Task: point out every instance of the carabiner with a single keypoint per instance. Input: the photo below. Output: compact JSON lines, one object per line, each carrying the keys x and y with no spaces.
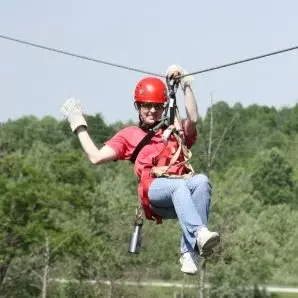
{"x":139,"y":214}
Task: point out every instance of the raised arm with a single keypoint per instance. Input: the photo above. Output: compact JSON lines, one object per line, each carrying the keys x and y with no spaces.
{"x":189,"y":98}
{"x":95,"y":155}
{"x":72,"y":110}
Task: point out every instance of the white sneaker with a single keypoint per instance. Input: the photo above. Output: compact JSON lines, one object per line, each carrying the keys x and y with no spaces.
{"x":189,"y":263}
{"x":206,"y":240}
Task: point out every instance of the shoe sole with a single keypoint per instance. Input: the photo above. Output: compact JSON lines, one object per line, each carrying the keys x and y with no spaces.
{"x":189,"y":273}
{"x":207,"y":249}
{"x":206,"y":253}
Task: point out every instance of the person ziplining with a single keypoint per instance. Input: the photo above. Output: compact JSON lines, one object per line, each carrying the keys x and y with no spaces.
{"x":168,"y":186}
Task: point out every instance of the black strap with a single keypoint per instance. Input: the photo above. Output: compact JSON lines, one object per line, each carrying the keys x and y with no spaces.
{"x":147,"y":139}
{"x":142,"y":143}
{"x":172,"y":87}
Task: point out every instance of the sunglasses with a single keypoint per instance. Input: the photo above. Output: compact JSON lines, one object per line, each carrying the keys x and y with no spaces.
{"x":150,"y":105}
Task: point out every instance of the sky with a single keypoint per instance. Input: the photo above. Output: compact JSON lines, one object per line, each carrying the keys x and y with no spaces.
{"x":148,"y":35}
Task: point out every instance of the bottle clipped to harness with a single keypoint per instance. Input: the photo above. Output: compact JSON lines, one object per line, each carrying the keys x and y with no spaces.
{"x":136,"y":237}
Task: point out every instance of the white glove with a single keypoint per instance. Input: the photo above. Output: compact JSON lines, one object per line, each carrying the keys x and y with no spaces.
{"x":176,"y":70}
{"x":73,"y":111}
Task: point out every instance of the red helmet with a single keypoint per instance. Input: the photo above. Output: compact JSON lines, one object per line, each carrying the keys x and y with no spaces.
{"x":151,"y":89}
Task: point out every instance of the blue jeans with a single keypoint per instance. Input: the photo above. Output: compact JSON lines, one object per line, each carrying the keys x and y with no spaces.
{"x":185,"y":199}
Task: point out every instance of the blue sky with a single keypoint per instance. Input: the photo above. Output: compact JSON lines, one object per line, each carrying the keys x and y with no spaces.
{"x":149,"y":35}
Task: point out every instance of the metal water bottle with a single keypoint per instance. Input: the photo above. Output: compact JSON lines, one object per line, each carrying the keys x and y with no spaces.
{"x":136,"y":238}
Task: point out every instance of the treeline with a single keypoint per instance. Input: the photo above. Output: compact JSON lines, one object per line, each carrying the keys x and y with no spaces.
{"x":62,"y":218}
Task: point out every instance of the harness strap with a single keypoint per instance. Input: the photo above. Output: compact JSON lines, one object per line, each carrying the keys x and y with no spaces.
{"x":145,"y":140}
{"x":140,"y":146}
{"x":146,"y":181}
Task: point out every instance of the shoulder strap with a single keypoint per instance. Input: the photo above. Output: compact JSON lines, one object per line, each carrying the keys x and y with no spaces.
{"x":146,"y":140}
{"x":140,"y":146}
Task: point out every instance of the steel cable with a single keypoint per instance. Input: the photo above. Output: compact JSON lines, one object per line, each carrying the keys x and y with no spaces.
{"x":81,"y":56}
{"x":241,"y":61}
{"x":144,"y":71}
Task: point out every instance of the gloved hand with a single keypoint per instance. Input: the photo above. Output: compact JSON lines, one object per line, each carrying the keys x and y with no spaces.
{"x":176,"y":70}
{"x":73,"y":111}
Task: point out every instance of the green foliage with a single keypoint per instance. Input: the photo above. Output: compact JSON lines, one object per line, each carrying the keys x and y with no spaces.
{"x":273,"y":178}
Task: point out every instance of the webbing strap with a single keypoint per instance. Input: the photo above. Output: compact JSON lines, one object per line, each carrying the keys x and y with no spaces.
{"x":162,"y":171}
{"x":140,"y":146}
{"x":146,"y":140}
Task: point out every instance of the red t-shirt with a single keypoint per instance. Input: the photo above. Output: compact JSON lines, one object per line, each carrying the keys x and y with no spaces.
{"x":127,"y":139}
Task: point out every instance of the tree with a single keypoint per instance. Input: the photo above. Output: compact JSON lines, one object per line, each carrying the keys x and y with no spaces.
{"x":44,"y":200}
{"x":273,"y":178}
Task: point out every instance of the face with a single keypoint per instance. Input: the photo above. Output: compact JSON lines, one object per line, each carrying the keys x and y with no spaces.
{"x":151,"y":112}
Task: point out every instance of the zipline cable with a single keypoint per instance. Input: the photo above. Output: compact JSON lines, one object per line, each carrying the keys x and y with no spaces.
{"x":144,"y":71}
{"x":80,"y":56}
{"x":241,"y":61}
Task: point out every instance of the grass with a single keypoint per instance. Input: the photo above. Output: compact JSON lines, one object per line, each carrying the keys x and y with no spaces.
{"x":286,"y":295}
